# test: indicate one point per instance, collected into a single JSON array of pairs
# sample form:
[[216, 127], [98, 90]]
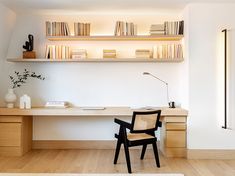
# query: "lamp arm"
[[164, 83], [159, 79]]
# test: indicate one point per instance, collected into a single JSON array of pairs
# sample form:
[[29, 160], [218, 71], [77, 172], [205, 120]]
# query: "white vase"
[[10, 98]]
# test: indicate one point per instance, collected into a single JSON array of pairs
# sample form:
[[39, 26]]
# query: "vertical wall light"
[[225, 79]]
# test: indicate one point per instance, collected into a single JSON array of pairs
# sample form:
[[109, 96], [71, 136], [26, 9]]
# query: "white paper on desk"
[[142, 107], [92, 108]]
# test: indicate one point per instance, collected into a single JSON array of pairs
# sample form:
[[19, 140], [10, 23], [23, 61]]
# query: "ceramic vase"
[[10, 98]]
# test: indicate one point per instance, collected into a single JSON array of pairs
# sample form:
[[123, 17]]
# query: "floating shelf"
[[117, 38], [98, 60]]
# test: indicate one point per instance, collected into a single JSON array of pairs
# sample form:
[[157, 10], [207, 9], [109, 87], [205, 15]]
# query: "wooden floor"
[[101, 161]]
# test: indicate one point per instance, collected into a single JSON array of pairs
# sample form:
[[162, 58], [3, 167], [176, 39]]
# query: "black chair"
[[142, 132]]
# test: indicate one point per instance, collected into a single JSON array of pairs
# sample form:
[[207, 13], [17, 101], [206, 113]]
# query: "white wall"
[[7, 21], [205, 47], [92, 84]]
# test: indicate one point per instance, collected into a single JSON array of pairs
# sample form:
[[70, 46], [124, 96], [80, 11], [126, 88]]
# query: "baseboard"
[[73, 144], [77, 144], [210, 154]]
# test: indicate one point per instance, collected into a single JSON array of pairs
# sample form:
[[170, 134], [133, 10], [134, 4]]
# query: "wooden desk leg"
[[15, 135], [173, 137]]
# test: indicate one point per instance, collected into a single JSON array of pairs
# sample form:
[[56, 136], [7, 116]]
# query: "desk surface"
[[108, 111]]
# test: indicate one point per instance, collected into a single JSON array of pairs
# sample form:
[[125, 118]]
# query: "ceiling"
[[100, 5]]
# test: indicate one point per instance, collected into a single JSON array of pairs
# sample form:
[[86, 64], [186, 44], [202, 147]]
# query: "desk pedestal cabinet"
[[173, 137], [16, 127], [15, 135]]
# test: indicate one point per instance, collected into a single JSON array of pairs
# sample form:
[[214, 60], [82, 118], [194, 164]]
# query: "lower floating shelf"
[[98, 60]]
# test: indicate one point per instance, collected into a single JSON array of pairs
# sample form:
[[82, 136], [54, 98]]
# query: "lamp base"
[[171, 104]]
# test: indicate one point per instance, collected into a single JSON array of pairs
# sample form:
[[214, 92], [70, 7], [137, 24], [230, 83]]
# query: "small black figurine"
[[29, 44]]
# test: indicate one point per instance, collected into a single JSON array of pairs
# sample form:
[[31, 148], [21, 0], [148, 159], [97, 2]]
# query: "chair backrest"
[[146, 121]]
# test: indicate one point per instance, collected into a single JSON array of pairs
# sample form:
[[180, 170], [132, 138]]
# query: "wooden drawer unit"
[[15, 135], [173, 136]]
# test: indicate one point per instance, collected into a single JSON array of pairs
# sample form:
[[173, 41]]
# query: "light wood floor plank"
[[101, 161]]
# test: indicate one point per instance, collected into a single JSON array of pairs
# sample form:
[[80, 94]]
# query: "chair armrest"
[[159, 124], [122, 123]]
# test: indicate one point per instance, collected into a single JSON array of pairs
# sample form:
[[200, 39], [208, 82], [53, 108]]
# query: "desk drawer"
[[10, 118], [175, 126], [175, 139], [175, 119], [10, 134]]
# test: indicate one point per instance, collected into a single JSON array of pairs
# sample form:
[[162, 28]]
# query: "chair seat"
[[138, 136]]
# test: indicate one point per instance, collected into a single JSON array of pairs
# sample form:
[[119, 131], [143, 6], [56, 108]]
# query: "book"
[[143, 53], [125, 29], [57, 29], [109, 53], [57, 104], [174, 27], [57, 52], [48, 28], [82, 29], [168, 51], [79, 54]]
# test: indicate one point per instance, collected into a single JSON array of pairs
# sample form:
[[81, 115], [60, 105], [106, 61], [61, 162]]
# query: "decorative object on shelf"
[[170, 104], [20, 78], [10, 98], [25, 102], [29, 53]]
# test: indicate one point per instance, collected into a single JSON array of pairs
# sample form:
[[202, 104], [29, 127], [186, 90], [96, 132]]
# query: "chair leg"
[[156, 154], [128, 162], [117, 151], [143, 151]]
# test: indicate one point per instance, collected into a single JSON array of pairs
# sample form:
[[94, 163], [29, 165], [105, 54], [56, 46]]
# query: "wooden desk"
[[16, 127]]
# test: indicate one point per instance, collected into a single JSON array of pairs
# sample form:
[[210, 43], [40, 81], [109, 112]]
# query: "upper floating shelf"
[[117, 38]]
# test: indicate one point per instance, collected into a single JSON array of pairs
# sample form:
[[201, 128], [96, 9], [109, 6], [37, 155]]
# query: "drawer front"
[[175, 139], [175, 126], [10, 118], [175, 119], [10, 134]]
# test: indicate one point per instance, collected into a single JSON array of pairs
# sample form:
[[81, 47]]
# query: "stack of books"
[[57, 104], [57, 29], [143, 53], [109, 53], [174, 27], [157, 29], [57, 52], [82, 29], [79, 54], [125, 29], [170, 51]]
